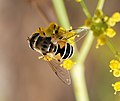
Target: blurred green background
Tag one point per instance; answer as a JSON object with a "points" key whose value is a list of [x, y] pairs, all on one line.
{"points": [[25, 78]]}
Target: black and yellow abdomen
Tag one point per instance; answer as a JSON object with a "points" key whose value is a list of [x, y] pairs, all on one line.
{"points": [[45, 45], [65, 52]]}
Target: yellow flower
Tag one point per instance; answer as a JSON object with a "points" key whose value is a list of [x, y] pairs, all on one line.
{"points": [[105, 18], [101, 41], [116, 73], [116, 17], [111, 22], [116, 87], [67, 64], [101, 25], [78, 0], [114, 65], [110, 32]]}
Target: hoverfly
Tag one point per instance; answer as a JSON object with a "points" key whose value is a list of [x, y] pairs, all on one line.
{"points": [[54, 44]]}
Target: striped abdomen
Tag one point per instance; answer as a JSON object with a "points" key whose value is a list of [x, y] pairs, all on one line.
{"points": [[65, 52], [44, 45]]}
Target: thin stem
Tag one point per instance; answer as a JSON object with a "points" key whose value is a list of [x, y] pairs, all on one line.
{"points": [[100, 4], [112, 48], [79, 83], [61, 13], [85, 47], [85, 9], [77, 72]]}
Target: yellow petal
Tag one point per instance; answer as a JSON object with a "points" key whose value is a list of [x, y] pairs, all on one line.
{"points": [[116, 87], [111, 22], [110, 32], [101, 41], [116, 17], [116, 73]]}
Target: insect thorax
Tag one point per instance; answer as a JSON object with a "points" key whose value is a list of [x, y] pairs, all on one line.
{"points": [[44, 45]]}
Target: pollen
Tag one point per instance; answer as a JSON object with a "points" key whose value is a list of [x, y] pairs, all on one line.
{"points": [[70, 36], [116, 87], [40, 30], [47, 58], [67, 64]]}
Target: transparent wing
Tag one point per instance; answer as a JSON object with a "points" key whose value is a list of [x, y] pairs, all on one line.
{"points": [[80, 32], [62, 73]]}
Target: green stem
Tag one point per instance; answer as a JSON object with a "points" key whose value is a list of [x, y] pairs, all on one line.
{"points": [[61, 13], [85, 9], [114, 50], [100, 4], [85, 47], [109, 44], [77, 73], [79, 83]]}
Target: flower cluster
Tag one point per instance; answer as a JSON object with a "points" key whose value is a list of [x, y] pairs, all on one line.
{"points": [[101, 25], [115, 67]]}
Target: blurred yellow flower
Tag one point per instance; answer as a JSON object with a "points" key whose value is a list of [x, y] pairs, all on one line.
{"points": [[105, 18], [116, 73], [114, 65], [116, 87], [67, 64], [78, 0], [116, 17], [111, 22], [101, 41], [110, 32], [101, 25]]}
